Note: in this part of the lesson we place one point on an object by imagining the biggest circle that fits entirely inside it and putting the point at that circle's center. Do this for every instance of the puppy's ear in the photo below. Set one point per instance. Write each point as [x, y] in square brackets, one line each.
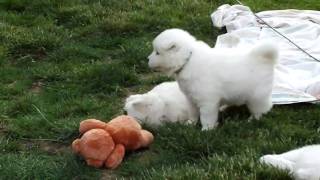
[140, 106]
[132, 98]
[172, 46]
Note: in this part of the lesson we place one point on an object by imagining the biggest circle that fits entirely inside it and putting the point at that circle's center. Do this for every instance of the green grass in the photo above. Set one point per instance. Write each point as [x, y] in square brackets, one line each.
[65, 61]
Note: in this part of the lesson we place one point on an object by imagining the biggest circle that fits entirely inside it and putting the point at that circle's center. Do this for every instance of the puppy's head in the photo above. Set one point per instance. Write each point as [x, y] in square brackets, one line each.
[171, 50]
[146, 108]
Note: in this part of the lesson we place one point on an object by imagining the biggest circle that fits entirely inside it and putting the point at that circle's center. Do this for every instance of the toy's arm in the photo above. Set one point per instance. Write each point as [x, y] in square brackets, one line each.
[94, 162]
[116, 157]
[91, 124]
[76, 146]
[147, 138]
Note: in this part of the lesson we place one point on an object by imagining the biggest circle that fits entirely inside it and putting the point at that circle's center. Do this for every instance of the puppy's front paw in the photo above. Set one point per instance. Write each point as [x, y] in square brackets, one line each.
[267, 159]
[277, 162]
[190, 122]
[254, 117]
[223, 108]
[208, 127]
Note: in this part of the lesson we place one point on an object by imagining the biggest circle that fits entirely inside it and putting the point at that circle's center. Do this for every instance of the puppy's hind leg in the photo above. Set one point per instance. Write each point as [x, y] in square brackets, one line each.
[209, 116]
[258, 107]
[223, 107]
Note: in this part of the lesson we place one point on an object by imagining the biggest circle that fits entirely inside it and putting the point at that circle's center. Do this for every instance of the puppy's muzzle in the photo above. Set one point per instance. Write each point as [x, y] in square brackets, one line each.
[157, 69]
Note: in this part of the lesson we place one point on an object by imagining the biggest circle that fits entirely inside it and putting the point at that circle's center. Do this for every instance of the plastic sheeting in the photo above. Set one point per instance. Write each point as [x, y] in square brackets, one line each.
[297, 76]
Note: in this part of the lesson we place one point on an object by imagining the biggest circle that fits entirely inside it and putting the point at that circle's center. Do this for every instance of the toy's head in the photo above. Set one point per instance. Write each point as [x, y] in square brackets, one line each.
[127, 131]
[95, 146]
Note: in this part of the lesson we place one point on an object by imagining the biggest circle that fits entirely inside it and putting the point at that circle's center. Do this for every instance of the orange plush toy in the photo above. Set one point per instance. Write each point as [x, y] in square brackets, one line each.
[105, 143]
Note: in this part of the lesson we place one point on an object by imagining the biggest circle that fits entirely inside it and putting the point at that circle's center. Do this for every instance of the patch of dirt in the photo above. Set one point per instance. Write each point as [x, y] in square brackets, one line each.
[11, 85]
[3, 131]
[23, 53]
[54, 148]
[36, 87]
[50, 146]
[45, 145]
[108, 175]
[3, 127]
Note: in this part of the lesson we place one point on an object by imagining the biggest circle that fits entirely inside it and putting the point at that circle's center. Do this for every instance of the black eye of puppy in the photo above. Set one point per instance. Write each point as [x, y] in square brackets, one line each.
[157, 53]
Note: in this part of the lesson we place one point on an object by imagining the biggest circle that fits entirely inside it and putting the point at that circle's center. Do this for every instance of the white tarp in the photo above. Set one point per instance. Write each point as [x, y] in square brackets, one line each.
[297, 77]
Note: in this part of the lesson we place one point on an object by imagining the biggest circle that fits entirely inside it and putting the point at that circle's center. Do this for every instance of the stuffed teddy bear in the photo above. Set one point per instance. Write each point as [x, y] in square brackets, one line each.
[105, 143]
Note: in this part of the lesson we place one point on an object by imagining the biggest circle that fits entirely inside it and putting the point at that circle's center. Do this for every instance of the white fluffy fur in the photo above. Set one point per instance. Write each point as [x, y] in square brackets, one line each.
[164, 103]
[303, 163]
[212, 77]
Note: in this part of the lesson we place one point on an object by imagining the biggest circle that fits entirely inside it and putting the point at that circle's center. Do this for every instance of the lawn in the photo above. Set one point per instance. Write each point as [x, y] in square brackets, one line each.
[62, 61]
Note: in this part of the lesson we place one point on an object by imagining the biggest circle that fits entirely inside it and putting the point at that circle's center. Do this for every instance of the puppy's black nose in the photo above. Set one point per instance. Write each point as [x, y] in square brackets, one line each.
[125, 112]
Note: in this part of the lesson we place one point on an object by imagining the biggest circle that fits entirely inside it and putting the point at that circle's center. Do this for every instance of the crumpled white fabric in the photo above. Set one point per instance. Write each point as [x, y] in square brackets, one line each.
[297, 77]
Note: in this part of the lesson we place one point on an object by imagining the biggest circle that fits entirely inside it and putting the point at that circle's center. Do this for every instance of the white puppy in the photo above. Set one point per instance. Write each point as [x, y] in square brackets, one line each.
[213, 77]
[164, 103]
[303, 163]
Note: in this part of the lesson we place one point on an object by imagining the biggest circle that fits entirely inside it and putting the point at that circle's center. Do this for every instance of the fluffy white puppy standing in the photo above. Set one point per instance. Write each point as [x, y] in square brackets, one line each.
[213, 77]
[303, 163]
[164, 103]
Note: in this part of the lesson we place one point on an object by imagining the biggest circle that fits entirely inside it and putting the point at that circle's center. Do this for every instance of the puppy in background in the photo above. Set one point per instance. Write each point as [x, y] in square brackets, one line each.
[302, 163]
[211, 77]
[164, 103]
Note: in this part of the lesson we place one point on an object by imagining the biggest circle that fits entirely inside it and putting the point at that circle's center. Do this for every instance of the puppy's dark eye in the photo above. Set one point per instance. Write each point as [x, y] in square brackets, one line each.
[157, 53]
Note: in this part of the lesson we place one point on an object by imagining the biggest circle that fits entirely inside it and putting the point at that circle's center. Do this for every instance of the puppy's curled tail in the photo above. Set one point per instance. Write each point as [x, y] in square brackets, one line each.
[266, 52]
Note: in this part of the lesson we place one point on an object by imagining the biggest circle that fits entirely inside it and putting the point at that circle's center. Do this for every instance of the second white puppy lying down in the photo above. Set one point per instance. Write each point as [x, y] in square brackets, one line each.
[211, 77]
[302, 163]
[164, 103]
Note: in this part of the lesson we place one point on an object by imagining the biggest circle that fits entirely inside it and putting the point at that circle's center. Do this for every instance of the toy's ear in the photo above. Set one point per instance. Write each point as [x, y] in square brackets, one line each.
[76, 146]
[88, 124]
[147, 138]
